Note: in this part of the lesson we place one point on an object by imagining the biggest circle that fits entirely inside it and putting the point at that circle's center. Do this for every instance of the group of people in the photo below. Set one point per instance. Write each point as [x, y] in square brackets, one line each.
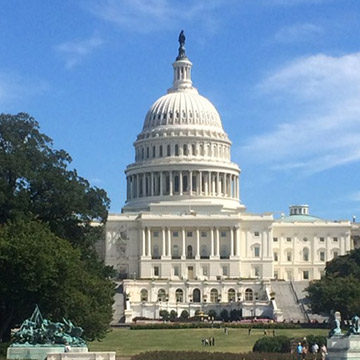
[302, 350]
[208, 341]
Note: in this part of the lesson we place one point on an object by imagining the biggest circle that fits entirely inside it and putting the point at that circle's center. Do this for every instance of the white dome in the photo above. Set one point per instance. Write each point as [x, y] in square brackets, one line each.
[183, 107]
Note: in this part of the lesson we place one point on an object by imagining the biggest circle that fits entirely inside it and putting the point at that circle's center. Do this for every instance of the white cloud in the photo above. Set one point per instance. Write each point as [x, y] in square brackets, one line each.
[155, 15]
[74, 51]
[298, 32]
[324, 131]
[15, 88]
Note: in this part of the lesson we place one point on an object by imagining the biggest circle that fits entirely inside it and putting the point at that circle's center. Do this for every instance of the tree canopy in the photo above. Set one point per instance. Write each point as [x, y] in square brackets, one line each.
[339, 289]
[41, 197]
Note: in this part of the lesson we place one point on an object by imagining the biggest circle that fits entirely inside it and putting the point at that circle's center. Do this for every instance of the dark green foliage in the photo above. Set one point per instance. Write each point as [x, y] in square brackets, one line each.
[339, 289]
[224, 315]
[212, 314]
[164, 314]
[318, 339]
[197, 355]
[235, 315]
[184, 315]
[273, 344]
[36, 184]
[43, 269]
[173, 315]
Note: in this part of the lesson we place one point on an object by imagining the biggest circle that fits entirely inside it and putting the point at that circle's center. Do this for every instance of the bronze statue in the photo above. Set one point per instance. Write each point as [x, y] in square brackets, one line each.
[182, 46]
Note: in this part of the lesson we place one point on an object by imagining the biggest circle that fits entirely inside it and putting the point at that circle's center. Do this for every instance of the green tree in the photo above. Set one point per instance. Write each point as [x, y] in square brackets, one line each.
[339, 289]
[36, 183]
[224, 315]
[184, 315]
[164, 315]
[173, 315]
[44, 269]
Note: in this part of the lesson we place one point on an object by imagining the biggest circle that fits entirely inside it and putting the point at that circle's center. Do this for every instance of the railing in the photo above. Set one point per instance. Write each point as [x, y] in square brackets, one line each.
[301, 305]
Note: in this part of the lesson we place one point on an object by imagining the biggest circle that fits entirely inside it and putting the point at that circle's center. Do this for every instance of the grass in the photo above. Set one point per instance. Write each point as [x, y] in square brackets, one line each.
[129, 342]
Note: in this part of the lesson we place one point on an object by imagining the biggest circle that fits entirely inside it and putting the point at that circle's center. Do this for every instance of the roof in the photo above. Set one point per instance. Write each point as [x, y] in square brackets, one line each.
[300, 218]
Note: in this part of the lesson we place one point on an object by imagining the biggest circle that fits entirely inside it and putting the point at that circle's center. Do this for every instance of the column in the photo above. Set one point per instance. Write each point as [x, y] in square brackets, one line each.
[217, 184]
[180, 183]
[231, 241]
[217, 242]
[171, 182]
[200, 182]
[143, 242]
[183, 256]
[237, 232]
[149, 241]
[237, 188]
[212, 241]
[161, 183]
[197, 244]
[264, 246]
[152, 184]
[190, 182]
[144, 184]
[169, 241]
[163, 238]
[137, 185]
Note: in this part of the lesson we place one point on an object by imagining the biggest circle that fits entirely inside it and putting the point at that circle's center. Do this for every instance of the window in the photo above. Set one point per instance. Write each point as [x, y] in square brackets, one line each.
[160, 151]
[306, 254]
[176, 150]
[214, 295]
[189, 251]
[256, 271]
[275, 239]
[257, 251]
[156, 252]
[203, 234]
[276, 256]
[179, 295]
[142, 154]
[248, 295]
[147, 152]
[175, 234]
[156, 234]
[175, 251]
[225, 270]
[153, 152]
[322, 239]
[144, 295]
[189, 234]
[168, 150]
[322, 256]
[204, 251]
[176, 271]
[335, 239]
[306, 275]
[335, 254]
[205, 270]
[156, 271]
[161, 295]
[288, 239]
[276, 275]
[231, 295]
[305, 239]
[256, 234]
[289, 256]
[223, 233]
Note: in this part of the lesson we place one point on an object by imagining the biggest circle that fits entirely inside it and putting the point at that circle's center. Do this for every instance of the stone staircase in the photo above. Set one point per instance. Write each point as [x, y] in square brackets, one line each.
[287, 302]
[118, 306]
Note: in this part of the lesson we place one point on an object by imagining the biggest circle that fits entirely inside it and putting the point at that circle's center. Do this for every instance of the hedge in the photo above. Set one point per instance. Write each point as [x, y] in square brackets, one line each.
[200, 355]
[275, 344]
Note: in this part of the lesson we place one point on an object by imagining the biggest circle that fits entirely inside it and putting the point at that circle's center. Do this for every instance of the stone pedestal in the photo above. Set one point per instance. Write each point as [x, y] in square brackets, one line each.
[110, 355]
[39, 352]
[344, 347]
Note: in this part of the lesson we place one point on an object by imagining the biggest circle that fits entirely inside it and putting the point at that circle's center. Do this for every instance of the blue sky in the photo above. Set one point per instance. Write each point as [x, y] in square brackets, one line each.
[284, 75]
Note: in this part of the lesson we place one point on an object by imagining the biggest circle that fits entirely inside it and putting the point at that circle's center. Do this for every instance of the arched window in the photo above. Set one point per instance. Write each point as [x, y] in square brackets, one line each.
[306, 254]
[193, 152]
[168, 151]
[249, 295]
[224, 252]
[231, 295]
[176, 150]
[179, 295]
[147, 152]
[196, 296]
[175, 251]
[160, 151]
[161, 295]
[204, 251]
[185, 150]
[156, 251]
[144, 295]
[214, 294]
[189, 251]
[142, 154]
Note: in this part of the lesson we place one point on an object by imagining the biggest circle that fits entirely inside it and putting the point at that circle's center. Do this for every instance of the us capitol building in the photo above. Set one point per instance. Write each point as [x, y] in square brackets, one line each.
[184, 240]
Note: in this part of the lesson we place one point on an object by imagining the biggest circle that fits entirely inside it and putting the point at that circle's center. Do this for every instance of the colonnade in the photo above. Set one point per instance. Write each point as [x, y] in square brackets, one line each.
[187, 251]
[161, 183]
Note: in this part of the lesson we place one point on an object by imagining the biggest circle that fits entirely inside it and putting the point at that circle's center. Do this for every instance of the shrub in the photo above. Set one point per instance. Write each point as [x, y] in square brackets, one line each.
[275, 344]
[164, 315]
[199, 355]
[235, 315]
[224, 315]
[212, 314]
[184, 315]
[173, 315]
[312, 339]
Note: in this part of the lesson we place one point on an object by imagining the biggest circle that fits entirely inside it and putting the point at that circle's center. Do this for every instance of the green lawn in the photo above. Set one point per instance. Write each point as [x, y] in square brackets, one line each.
[128, 342]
